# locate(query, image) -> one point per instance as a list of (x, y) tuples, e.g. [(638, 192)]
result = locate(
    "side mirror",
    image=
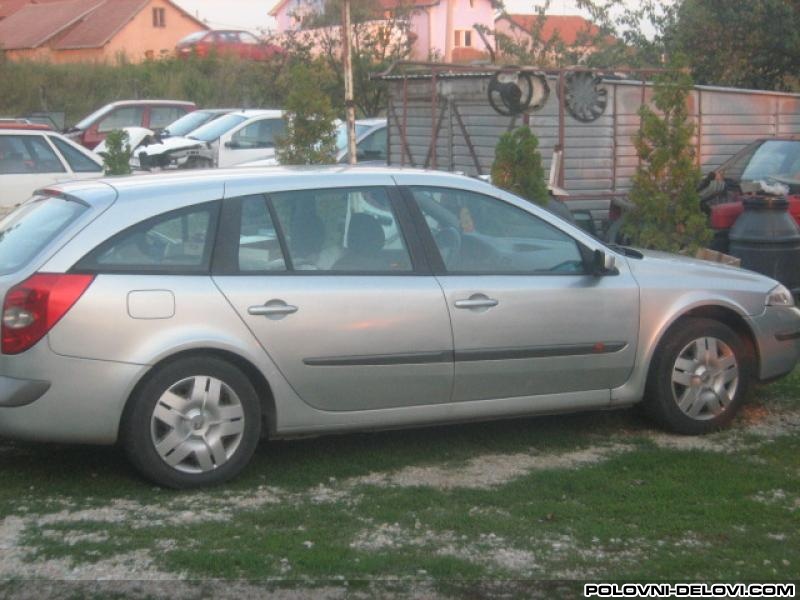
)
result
[(232, 145), (603, 263)]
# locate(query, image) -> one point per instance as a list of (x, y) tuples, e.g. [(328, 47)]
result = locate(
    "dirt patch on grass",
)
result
[(491, 470), (754, 421)]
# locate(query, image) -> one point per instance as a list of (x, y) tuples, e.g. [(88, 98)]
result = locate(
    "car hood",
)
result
[(170, 144), (136, 136)]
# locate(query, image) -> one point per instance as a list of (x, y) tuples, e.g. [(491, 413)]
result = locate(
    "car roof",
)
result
[(372, 122), (16, 125), (150, 103), (265, 112), (165, 182)]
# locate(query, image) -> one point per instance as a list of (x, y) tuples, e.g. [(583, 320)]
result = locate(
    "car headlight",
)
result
[(779, 296)]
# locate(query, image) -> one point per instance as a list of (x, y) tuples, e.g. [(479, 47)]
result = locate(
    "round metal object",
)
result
[(197, 424), (510, 93), (704, 378), (585, 99)]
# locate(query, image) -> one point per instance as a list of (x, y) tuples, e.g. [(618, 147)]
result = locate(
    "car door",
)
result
[(528, 316), (338, 297), (254, 140), (27, 162)]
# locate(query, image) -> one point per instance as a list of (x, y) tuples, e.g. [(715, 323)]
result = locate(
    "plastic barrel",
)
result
[(767, 239)]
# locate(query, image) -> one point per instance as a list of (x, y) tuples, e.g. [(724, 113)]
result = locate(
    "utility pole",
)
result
[(347, 61)]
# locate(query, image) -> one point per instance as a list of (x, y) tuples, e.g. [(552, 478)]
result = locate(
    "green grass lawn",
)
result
[(447, 510)]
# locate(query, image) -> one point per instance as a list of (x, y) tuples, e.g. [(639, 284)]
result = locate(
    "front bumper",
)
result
[(52, 398), (777, 332)]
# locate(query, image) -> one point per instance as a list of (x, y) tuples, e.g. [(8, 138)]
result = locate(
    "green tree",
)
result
[(517, 166), (310, 137), (118, 153), (747, 43), (666, 214), (378, 40)]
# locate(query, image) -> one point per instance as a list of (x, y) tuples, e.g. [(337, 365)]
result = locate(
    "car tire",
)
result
[(193, 422), (698, 378)]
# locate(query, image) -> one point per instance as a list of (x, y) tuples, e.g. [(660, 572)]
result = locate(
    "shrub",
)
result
[(667, 213), (517, 166), (310, 121), (118, 153)]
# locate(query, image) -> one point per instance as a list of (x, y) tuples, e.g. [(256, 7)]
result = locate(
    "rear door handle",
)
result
[(272, 308), (477, 301)]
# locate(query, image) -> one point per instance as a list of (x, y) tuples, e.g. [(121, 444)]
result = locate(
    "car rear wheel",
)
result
[(698, 378), (193, 422)]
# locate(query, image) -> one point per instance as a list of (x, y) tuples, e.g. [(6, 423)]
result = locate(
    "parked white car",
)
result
[(34, 156), (371, 141), (228, 141)]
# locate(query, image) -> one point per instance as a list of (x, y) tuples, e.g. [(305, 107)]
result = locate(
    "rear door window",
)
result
[(26, 154), (126, 116), (161, 116), (174, 242), (26, 231), (348, 230)]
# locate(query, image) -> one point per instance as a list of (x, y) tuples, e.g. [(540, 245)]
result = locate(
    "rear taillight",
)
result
[(32, 308)]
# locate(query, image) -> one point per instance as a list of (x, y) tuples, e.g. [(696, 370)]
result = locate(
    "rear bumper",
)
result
[(777, 332), (52, 398)]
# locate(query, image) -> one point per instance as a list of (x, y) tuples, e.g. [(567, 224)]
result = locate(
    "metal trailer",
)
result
[(439, 117)]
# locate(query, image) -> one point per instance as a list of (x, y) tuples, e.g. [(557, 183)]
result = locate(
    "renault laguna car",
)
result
[(187, 315)]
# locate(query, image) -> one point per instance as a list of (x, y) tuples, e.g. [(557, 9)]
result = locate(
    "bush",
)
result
[(118, 153), (517, 166)]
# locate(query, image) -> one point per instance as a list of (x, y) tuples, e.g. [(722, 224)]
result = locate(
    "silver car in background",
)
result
[(188, 315)]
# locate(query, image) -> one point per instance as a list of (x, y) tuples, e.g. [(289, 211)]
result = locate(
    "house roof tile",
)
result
[(568, 27), (34, 24)]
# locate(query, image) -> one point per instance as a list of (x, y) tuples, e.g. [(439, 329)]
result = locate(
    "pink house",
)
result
[(442, 29)]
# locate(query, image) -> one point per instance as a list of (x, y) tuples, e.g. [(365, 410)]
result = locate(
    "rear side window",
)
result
[(25, 154), (78, 161), (175, 242), (26, 231)]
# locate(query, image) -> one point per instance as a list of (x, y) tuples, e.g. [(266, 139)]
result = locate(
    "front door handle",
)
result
[(272, 308), (477, 301)]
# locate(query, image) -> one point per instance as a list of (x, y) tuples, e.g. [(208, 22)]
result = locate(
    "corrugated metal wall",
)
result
[(599, 157)]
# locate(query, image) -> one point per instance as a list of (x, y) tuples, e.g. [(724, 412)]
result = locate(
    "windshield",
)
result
[(212, 131), (193, 37), (774, 157), (188, 123), (87, 121), (26, 231)]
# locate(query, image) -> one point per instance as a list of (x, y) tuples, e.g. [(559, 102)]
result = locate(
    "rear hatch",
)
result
[(37, 229)]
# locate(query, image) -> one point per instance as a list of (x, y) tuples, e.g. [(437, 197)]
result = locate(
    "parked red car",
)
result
[(150, 114), (227, 43)]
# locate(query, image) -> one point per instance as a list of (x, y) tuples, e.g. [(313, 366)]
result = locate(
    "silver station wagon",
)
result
[(186, 316)]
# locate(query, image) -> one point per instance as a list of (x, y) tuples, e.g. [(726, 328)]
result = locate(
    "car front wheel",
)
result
[(193, 422), (698, 378)]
